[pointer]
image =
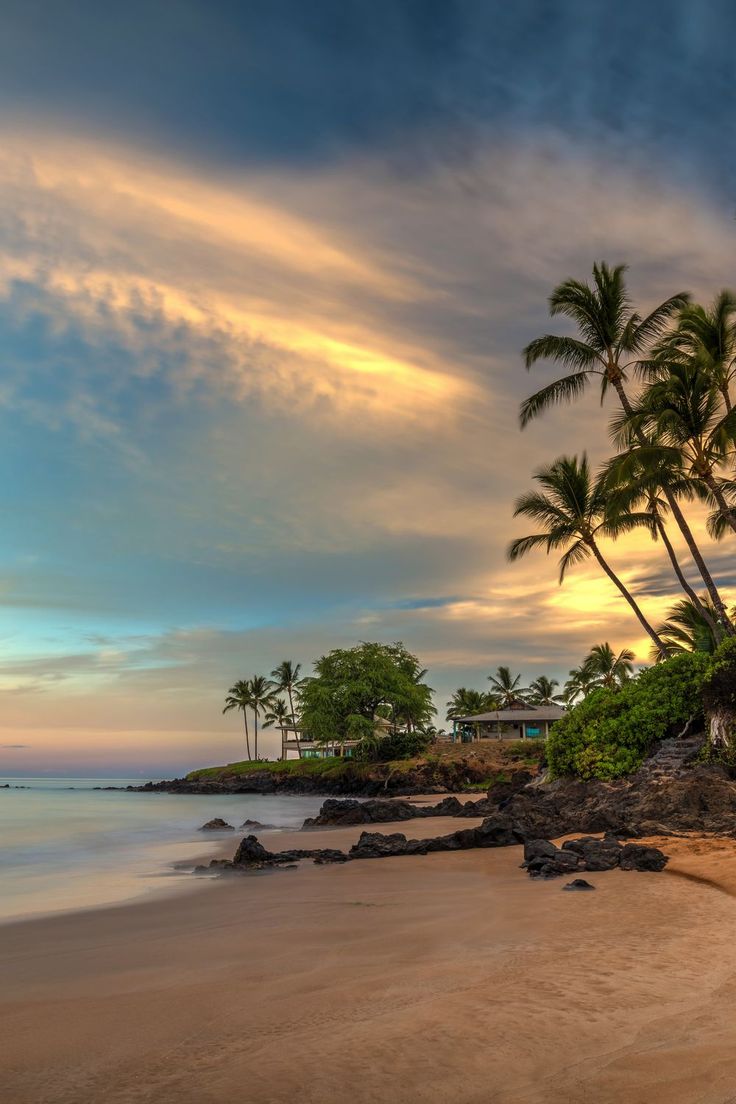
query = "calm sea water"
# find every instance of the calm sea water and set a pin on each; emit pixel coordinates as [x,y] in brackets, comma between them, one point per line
[65,845]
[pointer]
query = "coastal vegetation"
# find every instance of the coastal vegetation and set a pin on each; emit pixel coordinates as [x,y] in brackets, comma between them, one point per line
[671,372]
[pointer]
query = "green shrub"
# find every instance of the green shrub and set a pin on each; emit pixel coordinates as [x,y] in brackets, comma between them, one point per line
[395,745]
[608,734]
[527,749]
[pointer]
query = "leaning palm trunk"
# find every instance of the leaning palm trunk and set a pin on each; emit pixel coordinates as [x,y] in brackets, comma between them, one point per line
[702,609]
[723,508]
[682,524]
[629,598]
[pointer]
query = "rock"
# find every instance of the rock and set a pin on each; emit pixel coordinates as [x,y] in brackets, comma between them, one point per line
[330,855]
[251,852]
[256,824]
[539,848]
[334,811]
[596,854]
[636,857]
[374,845]
[217,825]
[578,883]
[498,831]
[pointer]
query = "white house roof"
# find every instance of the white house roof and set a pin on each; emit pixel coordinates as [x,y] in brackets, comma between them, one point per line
[527,713]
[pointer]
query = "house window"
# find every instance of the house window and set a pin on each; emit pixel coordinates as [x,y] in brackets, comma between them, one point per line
[533,731]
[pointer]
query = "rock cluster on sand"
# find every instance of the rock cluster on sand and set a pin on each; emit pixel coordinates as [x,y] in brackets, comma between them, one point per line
[217,824]
[543,860]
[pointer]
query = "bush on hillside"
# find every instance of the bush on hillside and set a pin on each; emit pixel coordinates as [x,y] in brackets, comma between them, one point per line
[609,733]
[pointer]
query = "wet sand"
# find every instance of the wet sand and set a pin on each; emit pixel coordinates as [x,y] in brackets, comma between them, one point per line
[437,979]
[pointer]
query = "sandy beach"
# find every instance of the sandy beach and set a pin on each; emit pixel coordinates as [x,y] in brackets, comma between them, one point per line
[450,977]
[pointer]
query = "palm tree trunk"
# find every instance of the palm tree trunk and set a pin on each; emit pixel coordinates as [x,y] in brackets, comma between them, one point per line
[683,526]
[720,498]
[255,718]
[703,610]
[247,736]
[629,598]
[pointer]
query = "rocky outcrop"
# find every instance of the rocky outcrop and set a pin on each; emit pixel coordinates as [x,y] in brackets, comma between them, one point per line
[543,860]
[217,824]
[335,812]
[701,798]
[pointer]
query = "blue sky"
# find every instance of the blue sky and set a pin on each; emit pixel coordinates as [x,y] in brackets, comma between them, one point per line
[265,273]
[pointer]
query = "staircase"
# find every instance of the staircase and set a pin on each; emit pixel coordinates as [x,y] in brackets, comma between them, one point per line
[670,758]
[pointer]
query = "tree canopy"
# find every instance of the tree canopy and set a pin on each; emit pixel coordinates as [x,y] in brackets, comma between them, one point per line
[352,687]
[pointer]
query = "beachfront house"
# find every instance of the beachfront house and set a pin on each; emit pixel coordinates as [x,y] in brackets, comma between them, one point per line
[295,739]
[520,722]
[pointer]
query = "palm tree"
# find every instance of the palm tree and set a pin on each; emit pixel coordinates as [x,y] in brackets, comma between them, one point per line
[581,681]
[686,630]
[636,478]
[468,703]
[506,687]
[278,714]
[573,513]
[542,691]
[708,334]
[686,412]
[286,677]
[608,668]
[613,341]
[261,697]
[239,697]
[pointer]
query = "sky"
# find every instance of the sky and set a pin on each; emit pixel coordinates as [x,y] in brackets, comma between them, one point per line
[266,270]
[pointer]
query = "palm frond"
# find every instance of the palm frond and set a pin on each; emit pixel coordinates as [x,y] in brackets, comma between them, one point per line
[575,554]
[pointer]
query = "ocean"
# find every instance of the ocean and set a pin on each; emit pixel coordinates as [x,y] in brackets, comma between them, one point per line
[66,845]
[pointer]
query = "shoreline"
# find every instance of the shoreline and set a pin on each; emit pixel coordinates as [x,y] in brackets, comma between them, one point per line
[420,978]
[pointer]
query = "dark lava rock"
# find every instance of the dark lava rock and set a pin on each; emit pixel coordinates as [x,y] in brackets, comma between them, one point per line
[635,857]
[350,811]
[539,849]
[578,883]
[544,860]
[217,825]
[596,854]
[701,798]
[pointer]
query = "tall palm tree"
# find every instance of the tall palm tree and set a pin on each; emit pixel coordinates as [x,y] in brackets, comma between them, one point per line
[608,668]
[261,698]
[506,687]
[635,479]
[542,691]
[278,714]
[709,335]
[688,415]
[573,514]
[239,697]
[613,341]
[287,680]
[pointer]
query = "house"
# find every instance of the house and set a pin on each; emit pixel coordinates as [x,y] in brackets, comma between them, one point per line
[297,740]
[520,722]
